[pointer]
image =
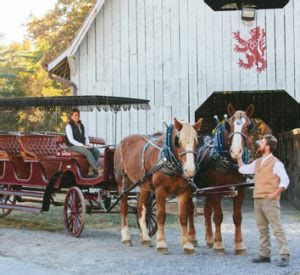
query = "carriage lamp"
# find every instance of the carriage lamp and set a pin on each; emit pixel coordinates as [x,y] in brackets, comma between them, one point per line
[248,14]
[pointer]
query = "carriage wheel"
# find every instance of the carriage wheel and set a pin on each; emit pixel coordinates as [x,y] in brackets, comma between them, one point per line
[74,211]
[6,199]
[150,216]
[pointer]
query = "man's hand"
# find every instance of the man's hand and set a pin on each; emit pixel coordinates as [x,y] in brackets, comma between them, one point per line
[87,146]
[240,162]
[275,194]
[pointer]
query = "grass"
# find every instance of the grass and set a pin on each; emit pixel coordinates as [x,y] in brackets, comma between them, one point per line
[52,221]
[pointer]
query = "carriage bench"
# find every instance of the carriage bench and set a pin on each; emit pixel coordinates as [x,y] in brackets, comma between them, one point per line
[10,150]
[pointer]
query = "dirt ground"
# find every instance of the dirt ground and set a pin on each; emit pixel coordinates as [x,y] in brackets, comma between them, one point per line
[99,251]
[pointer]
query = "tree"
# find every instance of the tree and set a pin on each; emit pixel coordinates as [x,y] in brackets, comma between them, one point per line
[54,32]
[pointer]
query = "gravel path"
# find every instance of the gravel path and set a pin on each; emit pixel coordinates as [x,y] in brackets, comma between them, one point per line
[100,251]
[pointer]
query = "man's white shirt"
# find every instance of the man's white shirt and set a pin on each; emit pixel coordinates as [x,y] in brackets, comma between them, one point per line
[278,170]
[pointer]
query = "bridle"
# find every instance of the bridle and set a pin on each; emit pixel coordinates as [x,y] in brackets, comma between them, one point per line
[230,136]
[183,153]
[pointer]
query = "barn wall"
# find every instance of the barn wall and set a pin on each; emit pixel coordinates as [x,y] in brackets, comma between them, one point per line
[176,53]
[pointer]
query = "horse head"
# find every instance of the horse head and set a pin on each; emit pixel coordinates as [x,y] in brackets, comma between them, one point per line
[185,141]
[237,127]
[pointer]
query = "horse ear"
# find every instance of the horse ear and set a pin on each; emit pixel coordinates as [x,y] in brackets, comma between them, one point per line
[198,124]
[230,109]
[178,125]
[250,110]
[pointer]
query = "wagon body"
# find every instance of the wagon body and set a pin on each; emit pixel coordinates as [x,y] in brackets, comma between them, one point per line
[34,167]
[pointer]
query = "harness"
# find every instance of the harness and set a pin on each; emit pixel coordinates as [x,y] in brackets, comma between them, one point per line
[215,149]
[166,162]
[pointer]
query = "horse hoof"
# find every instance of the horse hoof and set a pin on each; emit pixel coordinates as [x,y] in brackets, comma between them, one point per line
[194,243]
[240,252]
[210,245]
[146,243]
[189,251]
[219,251]
[162,250]
[127,243]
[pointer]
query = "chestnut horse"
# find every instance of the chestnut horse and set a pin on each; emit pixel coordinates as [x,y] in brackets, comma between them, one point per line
[138,155]
[217,158]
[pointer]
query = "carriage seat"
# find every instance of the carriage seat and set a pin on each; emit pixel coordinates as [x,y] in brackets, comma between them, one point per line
[9,146]
[10,150]
[40,147]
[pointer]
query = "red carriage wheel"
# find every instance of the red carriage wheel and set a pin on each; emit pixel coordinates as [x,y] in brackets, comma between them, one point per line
[150,216]
[6,199]
[74,211]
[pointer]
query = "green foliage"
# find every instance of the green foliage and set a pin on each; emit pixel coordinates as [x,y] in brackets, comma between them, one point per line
[55,31]
[21,73]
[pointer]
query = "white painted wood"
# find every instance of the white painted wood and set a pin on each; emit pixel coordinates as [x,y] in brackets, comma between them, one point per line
[177,53]
[270,50]
[150,85]
[262,77]
[218,52]
[235,69]
[91,51]
[280,49]
[201,51]
[133,69]
[227,50]
[289,48]
[141,63]
[125,128]
[192,58]
[297,47]
[184,66]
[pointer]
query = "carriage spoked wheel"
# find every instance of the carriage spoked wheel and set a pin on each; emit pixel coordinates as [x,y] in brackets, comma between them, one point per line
[150,216]
[74,211]
[6,199]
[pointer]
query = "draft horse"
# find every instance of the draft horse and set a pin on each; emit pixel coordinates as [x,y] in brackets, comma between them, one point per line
[165,163]
[217,157]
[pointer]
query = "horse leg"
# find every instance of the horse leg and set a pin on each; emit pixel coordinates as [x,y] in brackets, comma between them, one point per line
[192,231]
[142,210]
[240,247]
[160,197]
[183,207]
[218,219]
[208,226]
[126,239]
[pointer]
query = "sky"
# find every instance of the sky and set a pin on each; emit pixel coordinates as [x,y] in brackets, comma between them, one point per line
[14,13]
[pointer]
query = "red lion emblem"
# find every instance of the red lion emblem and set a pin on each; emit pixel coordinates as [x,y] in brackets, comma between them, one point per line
[254,49]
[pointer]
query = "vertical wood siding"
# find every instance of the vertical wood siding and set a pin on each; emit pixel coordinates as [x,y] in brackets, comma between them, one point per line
[176,53]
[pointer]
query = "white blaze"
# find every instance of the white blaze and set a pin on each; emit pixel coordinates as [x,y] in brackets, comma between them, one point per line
[236,149]
[189,166]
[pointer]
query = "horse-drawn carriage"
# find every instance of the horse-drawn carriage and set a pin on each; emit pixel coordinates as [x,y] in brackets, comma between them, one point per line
[36,166]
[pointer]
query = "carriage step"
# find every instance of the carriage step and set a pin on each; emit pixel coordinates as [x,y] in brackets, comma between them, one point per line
[22,193]
[18,207]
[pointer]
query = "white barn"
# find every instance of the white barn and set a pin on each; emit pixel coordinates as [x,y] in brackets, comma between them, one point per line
[175,53]
[182,55]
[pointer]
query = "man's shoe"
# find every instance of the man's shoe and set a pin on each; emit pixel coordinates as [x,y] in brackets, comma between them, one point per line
[261,259]
[283,262]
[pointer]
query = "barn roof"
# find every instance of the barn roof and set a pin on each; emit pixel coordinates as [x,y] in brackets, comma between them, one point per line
[61,65]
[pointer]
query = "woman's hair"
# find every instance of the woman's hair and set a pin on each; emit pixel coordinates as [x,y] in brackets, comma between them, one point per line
[74,110]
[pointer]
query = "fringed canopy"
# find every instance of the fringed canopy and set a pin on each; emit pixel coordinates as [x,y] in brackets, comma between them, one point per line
[66,103]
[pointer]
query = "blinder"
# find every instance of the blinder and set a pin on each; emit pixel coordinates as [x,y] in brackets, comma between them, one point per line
[227,126]
[176,141]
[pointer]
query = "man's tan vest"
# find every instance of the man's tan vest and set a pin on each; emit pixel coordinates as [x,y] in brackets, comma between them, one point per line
[266,182]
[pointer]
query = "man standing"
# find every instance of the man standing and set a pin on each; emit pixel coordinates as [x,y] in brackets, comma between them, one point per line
[78,141]
[270,179]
